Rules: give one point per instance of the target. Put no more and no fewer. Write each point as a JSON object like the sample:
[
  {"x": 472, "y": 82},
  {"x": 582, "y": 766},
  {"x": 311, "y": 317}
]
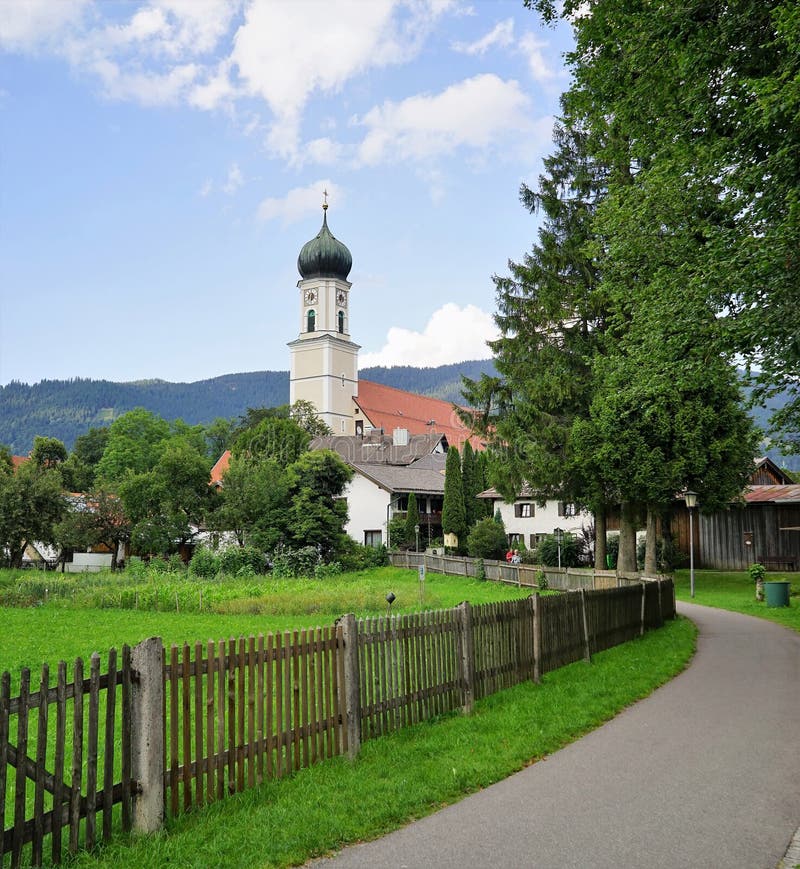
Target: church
[
  {"x": 324, "y": 357},
  {"x": 395, "y": 441}
]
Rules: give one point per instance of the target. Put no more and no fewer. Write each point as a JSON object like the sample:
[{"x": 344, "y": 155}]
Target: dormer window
[
  {"x": 341, "y": 321},
  {"x": 311, "y": 319}
]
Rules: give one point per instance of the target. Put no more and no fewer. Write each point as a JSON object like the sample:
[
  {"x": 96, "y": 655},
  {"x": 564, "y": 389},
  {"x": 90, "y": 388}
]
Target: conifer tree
[
  {"x": 453, "y": 514},
  {"x": 412, "y": 518},
  {"x": 470, "y": 480}
]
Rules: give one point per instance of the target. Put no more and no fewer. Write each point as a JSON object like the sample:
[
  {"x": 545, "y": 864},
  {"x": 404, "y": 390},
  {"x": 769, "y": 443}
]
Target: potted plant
[{"x": 757, "y": 572}]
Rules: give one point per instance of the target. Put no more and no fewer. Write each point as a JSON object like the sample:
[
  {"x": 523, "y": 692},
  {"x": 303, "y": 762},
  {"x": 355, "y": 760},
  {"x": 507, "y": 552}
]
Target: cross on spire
[{"x": 325, "y": 203}]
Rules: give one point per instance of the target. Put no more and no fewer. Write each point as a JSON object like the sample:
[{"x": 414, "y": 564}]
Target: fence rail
[
  {"x": 194, "y": 723},
  {"x": 521, "y": 575}
]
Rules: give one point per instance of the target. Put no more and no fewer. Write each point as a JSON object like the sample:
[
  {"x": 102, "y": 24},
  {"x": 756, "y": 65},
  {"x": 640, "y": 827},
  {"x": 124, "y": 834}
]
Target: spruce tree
[
  {"x": 471, "y": 484},
  {"x": 412, "y": 518}
]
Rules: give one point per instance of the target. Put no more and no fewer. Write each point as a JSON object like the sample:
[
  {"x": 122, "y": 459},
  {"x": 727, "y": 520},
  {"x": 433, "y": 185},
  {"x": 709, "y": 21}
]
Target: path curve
[{"x": 703, "y": 773}]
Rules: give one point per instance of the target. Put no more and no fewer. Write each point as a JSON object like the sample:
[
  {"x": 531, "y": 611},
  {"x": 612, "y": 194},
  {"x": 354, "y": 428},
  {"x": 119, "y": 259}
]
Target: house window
[
  {"x": 311, "y": 318},
  {"x": 373, "y": 538},
  {"x": 341, "y": 321},
  {"x": 514, "y": 540},
  {"x": 567, "y": 509},
  {"x": 524, "y": 511}
]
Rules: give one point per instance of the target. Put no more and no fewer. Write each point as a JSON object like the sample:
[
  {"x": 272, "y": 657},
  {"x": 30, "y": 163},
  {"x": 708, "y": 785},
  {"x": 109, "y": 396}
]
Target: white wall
[
  {"x": 366, "y": 508},
  {"x": 544, "y": 521}
]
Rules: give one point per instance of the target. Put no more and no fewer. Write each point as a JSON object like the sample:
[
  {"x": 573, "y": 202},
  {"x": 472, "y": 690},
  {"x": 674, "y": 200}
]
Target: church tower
[{"x": 324, "y": 361}]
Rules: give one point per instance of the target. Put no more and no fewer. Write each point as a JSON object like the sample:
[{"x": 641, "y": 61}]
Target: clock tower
[{"x": 324, "y": 361}]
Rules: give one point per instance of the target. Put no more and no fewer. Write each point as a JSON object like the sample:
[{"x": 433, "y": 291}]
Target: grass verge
[
  {"x": 735, "y": 591},
  {"x": 411, "y": 773}
]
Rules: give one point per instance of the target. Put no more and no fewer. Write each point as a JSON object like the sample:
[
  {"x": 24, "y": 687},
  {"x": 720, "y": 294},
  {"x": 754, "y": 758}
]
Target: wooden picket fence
[
  {"x": 75, "y": 768},
  {"x": 173, "y": 729}
]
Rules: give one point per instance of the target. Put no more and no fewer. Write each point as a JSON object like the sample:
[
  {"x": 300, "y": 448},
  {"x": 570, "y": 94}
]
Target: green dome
[{"x": 324, "y": 256}]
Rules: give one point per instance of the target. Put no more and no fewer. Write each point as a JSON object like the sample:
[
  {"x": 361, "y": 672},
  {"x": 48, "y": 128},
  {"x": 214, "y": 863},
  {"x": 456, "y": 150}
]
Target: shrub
[
  {"x": 612, "y": 551},
  {"x": 757, "y": 572},
  {"x": 289, "y": 563},
  {"x": 487, "y": 539},
  {"x": 235, "y": 558},
  {"x": 323, "y": 571},
  {"x": 480, "y": 569},
  {"x": 355, "y": 556},
  {"x": 547, "y": 551},
  {"x": 204, "y": 563}
]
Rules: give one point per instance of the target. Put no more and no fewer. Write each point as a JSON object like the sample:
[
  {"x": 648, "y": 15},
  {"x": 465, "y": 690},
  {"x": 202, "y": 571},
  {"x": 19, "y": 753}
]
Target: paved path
[{"x": 704, "y": 773}]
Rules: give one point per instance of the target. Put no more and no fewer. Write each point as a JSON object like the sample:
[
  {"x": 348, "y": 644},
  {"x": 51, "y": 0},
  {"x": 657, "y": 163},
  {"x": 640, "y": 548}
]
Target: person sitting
[{"x": 509, "y": 555}]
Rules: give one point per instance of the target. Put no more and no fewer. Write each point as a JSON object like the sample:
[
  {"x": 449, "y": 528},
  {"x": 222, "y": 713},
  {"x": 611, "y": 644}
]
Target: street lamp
[
  {"x": 559, "y": 535},
  {"x": 691, "y": 502},
  {"x": 416, "y": 534}
]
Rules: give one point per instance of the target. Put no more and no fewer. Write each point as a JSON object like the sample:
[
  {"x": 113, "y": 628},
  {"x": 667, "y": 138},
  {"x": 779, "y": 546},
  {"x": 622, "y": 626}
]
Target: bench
[{"x": 788, "y": 562}]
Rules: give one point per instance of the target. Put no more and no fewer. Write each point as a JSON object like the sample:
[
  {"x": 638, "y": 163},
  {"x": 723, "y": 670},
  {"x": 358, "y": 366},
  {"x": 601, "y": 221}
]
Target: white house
[{"x": 527, "y": 520}]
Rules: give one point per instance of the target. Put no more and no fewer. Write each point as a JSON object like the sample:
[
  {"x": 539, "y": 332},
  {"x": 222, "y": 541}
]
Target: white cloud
[
  {"x": 541, "y": 69},
  {"x": 25, "y": 25},
  {"x": 299, "y": 202},
  {"x": 234, "y": 180},
  {"x": 475, "y": 113},
  {"x": 285, "y": 52},
  {"x": 501, "y": 35},
  {"x": 453, "y": 334}
]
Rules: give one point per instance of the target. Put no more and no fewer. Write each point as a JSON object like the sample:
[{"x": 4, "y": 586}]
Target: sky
[{"x": 162, "y": 162}]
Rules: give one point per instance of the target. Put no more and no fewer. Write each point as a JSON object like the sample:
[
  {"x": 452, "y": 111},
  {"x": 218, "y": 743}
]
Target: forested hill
[{"x": 67, "y": 408}]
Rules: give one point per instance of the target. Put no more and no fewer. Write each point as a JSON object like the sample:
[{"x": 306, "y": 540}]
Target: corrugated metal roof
[{"x": 788, "y": 494}]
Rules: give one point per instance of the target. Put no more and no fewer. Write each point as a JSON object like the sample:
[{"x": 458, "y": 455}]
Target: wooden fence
[
  {"x": 522, "y": 575},
  {"x": 77, "y": 759},
  {"x": 198, "y": 722}
]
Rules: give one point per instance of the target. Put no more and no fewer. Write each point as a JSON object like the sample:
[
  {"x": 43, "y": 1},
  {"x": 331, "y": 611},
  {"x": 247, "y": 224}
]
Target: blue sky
[{"x": 162, "y": 162}]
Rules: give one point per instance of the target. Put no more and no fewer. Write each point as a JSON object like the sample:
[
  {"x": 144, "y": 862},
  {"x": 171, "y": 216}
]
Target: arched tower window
[
  {"x": 341, "y": 321},
  {"x": 310, "y": 321}
]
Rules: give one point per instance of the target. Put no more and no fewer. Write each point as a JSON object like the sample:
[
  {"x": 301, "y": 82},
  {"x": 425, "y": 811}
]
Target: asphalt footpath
[{"x": 703, "y": 773}]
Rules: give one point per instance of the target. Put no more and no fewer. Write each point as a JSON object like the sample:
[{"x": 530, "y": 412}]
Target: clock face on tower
[
  {"x": 341, "y": 298},
  {"x": 311, "y": 297}
]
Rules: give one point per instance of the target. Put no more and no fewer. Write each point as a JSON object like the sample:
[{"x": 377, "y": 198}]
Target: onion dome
[{"x": 324, "y": 256}]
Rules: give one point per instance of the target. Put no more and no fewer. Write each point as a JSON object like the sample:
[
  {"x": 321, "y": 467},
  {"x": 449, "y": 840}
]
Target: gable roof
[
  {"x": 399, "y": 478},
  {"x": 387, "y": 408},
  {"x": 376, "y": 448},
  {"x": 220, "y": 466},
  {"x": 765, "y": 469},
  {"x": 787, "y": 494}
]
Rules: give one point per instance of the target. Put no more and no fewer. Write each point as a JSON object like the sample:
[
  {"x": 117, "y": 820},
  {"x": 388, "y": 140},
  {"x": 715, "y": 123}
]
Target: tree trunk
[
  {"x": 600, "y": 539},
  {"x": 626, "y": 563},
  {"x": 650, "y": 559}
]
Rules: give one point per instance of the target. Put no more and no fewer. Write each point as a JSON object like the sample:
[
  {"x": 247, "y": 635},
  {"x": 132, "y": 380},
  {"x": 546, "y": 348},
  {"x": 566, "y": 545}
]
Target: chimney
[{"x": 400, "y": 437}]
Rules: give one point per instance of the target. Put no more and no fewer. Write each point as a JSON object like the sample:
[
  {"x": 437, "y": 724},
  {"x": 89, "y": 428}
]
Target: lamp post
[
  {"x": 559, "y": 535},
  {"x": 416, "y": 534},
  {"x": 691, "y": 503}
]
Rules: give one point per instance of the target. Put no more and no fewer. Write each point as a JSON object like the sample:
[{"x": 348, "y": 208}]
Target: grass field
[
  {"x": 736, "y": 591},
  {"x": 412, "y": 772},
  {"x": 71, "y": 625}
]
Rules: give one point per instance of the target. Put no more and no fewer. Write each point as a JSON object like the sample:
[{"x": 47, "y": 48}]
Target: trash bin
[{"x": 777, "y": 593}]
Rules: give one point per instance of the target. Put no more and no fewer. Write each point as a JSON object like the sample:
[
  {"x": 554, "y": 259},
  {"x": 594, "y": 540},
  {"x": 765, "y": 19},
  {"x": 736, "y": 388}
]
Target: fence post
[
  {"x": 147, "y": 735},
  {"x": 587, "y": 654},
  {"x": 467, "y": 663},
  {"x": 644, "y": 597},
  {"x": 537, "y": 639},
  {"x": 351, "y": 685}
]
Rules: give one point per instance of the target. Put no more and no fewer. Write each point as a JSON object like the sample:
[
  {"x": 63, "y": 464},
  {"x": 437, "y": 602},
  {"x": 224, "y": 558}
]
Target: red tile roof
[
  {"x": 220, "y": 467},
  {"x": 389, "y": 408},
  {"x": 18, "y": 461}
]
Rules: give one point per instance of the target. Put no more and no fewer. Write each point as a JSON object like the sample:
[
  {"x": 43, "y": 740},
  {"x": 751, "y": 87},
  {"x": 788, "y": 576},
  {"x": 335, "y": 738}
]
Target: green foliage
[
  {"x": 48, "y": 452},
  {"x": 547, "y": 551},
  {"x": 31, "y": 505},
  {"x": 454, "y": 519},
  {"x": 474, "y": 509},
  {"x": 412, "y": 519},
  {"x": 205, "y": 563},
  {"x": 325, "y": 571},
  {"x": 487, "y": 539},
  {"x": 398, "y": 533},
  {"x": 273, "y": 438},
  {"x": 234, "y": 559},
  {"x": 612, "y": 550},
  {"x": 292, "y": 563},
  {"x": 757, "y": 572}
]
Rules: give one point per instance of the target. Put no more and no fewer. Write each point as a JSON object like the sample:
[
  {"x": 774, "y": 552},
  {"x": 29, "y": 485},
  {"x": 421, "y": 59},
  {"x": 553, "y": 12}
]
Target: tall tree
[
  {"x": 277, "y": 438},
  {"x": 31, "y": 504},
  {"x": 454, "y": 519},
  {"x": 412, "y": 518}
]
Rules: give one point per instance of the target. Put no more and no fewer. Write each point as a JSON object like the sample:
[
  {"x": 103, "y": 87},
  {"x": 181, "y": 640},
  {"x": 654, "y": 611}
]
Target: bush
[
  {"x": 480, "y": 570},
  {"x": 547, "y": 551},
  {"x": 354, "y": 556},
  {"x": 324, "y": 571},
  {"x": 398, "y": 534},
  {"x": 291, "y": 563},
  {"x": 204, "y": 563},
  {"x": 487, "y": 539},
  {"x": 612, "y": 551},
  {"x": 237, "y": 558}
]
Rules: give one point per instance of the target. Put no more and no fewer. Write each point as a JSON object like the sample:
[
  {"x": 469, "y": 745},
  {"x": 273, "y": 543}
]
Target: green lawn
[
  {"x": 736, "y": 591},
  {"x": 71, "y": 624},
  {"x": 410, "y": 773}
]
